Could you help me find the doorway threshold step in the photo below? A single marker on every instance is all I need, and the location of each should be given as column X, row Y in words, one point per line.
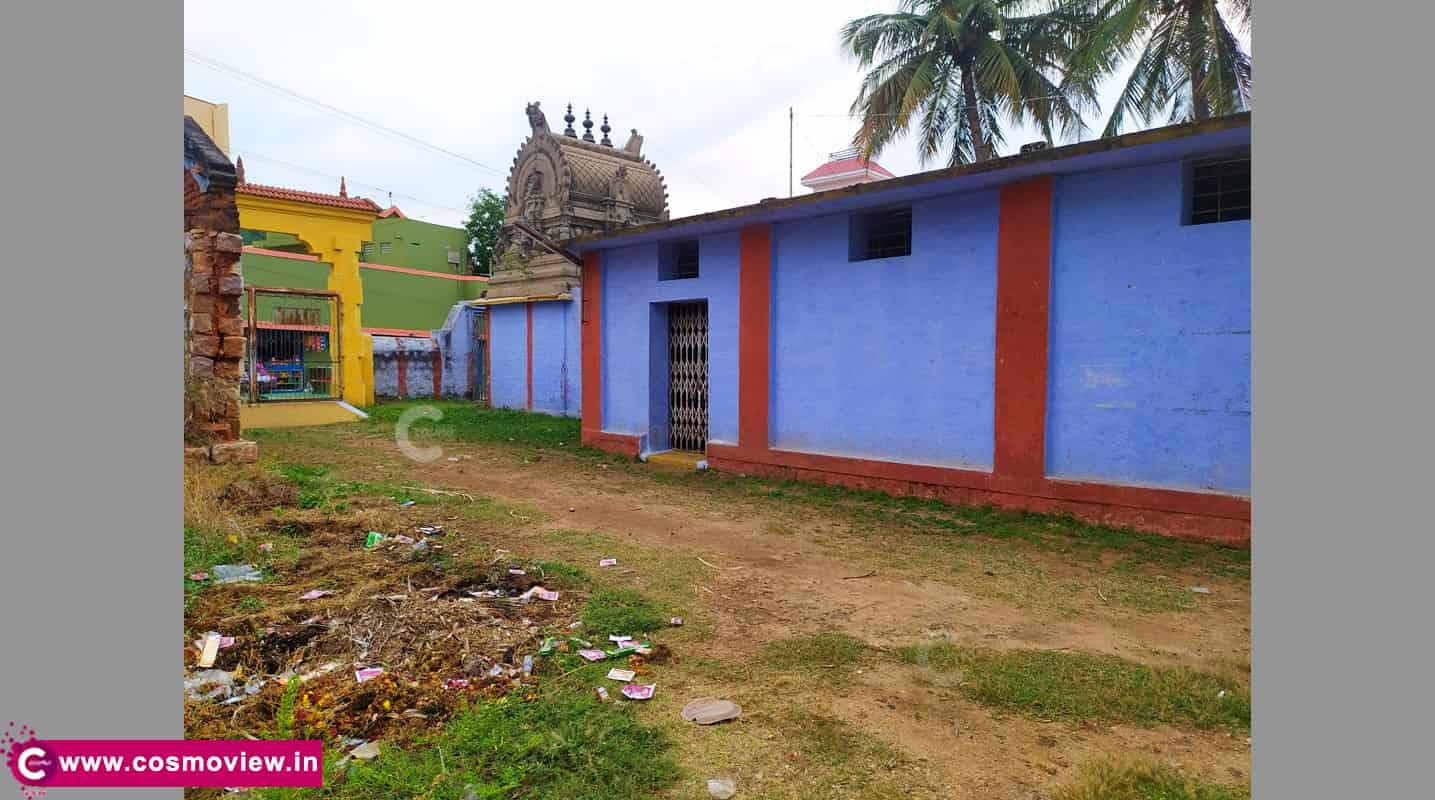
column 679, row 460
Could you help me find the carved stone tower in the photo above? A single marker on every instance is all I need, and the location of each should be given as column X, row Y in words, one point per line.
column 565, row 187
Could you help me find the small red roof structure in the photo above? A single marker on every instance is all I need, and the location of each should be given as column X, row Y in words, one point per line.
column 844, row 168
column 392, row 211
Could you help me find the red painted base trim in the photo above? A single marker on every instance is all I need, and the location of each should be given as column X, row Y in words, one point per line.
column 619, row 443
column 1225, row 519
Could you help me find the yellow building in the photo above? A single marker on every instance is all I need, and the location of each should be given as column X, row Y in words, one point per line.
column 213, row 118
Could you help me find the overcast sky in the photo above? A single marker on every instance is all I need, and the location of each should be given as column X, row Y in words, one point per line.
column 707, row 85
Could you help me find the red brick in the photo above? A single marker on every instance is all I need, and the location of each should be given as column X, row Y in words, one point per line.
column 201, row 323
column 232, row 347
column 234, row 452
column 206, row 345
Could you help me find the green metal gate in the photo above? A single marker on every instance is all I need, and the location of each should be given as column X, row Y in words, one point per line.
column 293, row 351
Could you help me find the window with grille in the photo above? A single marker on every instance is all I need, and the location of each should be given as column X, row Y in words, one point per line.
column 678, row 261
column 1219, row 190
column 386, row 248
column 881, row 234
column 368, row 249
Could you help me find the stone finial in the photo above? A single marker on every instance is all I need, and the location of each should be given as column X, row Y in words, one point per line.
column 587, row 125
column 343, row 188
column 635, row 143
column 239, row 169
column 568, row 118
column 606, row 129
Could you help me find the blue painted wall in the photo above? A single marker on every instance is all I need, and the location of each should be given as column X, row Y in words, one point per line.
column 630, row 288
column 508, row 335
column 890, row 359
column 556, row 356
column 1149, row 377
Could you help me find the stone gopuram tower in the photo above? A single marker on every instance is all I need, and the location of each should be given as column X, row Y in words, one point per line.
column 564, row 186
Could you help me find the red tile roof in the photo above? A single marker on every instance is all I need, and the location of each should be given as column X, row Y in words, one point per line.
column 393, row 211
column 852, row 164
column 317, row 198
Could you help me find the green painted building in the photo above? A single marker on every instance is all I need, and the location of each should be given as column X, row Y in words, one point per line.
column 403, row 242
column 412, row 272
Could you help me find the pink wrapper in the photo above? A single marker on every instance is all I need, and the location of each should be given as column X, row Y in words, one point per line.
column 315, row 594
column 368, row 674
column 593, row 655
column 607, row 562
column 639, row 691
column 457, row 683
column 547, row 594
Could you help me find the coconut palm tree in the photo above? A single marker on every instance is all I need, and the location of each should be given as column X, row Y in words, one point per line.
column 1188, row 58
column 960, row 69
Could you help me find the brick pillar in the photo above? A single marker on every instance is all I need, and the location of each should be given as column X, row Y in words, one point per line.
column 214, row 291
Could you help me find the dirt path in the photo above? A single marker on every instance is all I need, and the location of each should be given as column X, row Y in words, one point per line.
column 763, row 587
column 771, row 587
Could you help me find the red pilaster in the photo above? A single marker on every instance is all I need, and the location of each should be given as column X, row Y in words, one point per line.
column 754, row 332
column 528, row 309
column 592, row 327
column 1023, row 298
column 402, row 365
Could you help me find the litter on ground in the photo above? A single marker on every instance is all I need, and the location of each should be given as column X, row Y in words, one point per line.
column 722, row 788
column 639, row 691
column 373, row 540
column 367, row 674
column 234, row 573
column 593, row 655
column 1200, row 590
column 711, row 710
column 607, row 562
column 315, row 594
column 624, row 675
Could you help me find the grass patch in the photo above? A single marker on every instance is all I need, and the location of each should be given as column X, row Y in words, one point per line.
column 1143, row 780
column 561, row 745
column 1080, row 686
column 620, row 611
column 827, row 658
column 559, row 574
column 473, row 423
column 818, row 651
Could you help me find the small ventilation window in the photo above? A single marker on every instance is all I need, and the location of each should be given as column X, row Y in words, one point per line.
column 369, row 249
column 881, row 234
column 1220, row 190
column 678, row 261
column 386, row 248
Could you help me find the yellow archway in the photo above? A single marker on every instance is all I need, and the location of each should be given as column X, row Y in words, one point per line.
column 335, row 236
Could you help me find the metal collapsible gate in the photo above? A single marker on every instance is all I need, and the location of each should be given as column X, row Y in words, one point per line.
column 293, row 349
column 688, row 376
